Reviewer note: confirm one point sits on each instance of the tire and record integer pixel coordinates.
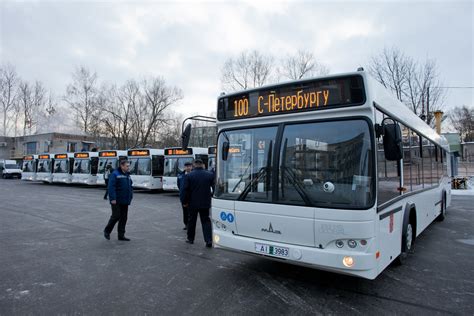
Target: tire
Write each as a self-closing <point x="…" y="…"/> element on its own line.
<point x="442" y="216"/>
<point x="407" y="243"/>
<point x="4" y="176"/>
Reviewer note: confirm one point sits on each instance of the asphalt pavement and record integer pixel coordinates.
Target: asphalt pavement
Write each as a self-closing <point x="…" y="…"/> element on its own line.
<point x="54" y="260"/>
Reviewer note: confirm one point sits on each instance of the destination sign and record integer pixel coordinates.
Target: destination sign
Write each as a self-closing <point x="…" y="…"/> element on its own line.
<point x="43" y="156"/>
<point x="234" y="150"/>
<point x="60" y="156"/>
<point x="28" y="158"/>
<point x="108" y="154"/>
<point x="81" y="155"/>
<point x="178" y="151"/>
<point x="142" y="152"/>
<point x="308" y="95"/>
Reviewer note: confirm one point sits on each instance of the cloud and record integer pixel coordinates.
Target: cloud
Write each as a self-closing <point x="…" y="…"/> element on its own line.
<point x="187" y="42"/>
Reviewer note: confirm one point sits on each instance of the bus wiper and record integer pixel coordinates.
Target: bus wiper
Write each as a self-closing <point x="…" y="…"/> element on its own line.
<point x="248" y="187"/>
<point x="260" y="173"/>
<point x="242" y="177"/>
<point x="299" y="188"/>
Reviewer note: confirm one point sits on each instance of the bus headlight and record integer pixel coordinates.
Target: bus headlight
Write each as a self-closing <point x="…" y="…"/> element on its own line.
<point x="339" y="243"/>
<point x="348" y="261"/>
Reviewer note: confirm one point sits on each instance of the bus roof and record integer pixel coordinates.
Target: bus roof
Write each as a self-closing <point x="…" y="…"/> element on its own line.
<point x="374" y="93"/>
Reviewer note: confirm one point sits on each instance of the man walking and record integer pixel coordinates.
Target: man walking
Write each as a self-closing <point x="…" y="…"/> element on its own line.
<point x="108" y="171"/>
<point x="197" y="195"/>
<point x="188" y="167"/>
<point x="120" y="196"/>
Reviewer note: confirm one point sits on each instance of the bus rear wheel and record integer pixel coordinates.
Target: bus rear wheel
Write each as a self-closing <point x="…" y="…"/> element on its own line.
<point x="407" y="244"/>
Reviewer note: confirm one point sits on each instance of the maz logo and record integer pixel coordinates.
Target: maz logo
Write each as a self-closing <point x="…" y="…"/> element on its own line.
<point x="270" y="230"/>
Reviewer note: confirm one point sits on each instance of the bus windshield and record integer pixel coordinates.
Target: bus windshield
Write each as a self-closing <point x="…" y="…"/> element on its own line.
<point x="44" y="166"/>
<point x="28" y="166"/>
<point x="175" y="165"/>
<point x="11" y="166"/>
<point x="61" y="166"/>
<point x="82" y="166"/>
<point x="140" y="166"/>
<point x="322" y="164"/>
<point x="103" y="162"/>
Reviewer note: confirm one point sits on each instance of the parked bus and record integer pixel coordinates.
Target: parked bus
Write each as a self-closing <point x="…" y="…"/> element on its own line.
<point x="30" y="163"/>
<point x="85" y="168"/>
<point x="146" y="168"/>
<point x="335" y="173"/>
<point x="211" y="152"/>
<point x="175" y="158"/>
<point x="109" y="158"/>
<point x="63" y="167"/>
<point x="44" y="171"/>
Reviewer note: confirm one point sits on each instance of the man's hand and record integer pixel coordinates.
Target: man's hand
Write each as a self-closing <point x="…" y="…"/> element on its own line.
<point x="185" y="205"/>
<point x="113" y="202"/>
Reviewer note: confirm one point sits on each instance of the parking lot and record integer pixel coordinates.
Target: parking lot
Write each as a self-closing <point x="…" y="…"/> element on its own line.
<point x="54" y="260"/>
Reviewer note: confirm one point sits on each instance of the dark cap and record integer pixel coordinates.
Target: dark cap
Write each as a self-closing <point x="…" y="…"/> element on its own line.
<point x="198" y="161"/>
<point x="187" y="163"/>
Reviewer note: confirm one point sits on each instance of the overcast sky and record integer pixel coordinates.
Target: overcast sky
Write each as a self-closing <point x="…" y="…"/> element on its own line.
<point x="188" y="42"/>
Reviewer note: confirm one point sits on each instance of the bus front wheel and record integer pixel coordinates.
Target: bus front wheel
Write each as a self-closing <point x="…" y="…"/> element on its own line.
<point x="407" y="243"/>
<point x="442" y="215"/>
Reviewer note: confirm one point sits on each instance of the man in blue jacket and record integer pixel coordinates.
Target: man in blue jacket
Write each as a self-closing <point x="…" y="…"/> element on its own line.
<point x="120" y="196"/>
<point x="188" y="167"/>
<point x="198" y="187"/>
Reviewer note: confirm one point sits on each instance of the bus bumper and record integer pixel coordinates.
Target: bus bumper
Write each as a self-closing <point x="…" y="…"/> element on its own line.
<point x="365" y="264"/>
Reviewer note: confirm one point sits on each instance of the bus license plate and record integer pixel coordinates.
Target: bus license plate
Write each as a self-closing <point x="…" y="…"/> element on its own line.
<point x="272" y="250"/>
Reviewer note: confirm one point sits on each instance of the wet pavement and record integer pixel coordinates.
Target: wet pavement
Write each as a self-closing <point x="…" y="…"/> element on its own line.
<point x="54" y="260"/>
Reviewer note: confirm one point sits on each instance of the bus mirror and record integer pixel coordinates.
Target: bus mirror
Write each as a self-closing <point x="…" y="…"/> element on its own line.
<point x="186" y="136"/>
<point x="392" y="141"/>
<point x="225" y="150"/>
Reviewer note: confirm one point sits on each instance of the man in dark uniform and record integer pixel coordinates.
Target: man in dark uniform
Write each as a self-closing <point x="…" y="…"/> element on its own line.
<point x="188" y="167"/>
<point x="197" y="195"/>
<point x="120" y="196"/>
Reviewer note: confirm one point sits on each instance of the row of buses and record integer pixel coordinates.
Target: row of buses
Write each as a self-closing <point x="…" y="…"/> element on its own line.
<point x="152" y="169"/>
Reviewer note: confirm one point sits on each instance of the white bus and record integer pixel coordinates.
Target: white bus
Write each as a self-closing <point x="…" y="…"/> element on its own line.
<point x="109" y="158"/>
<point x="44" y="171"/>
<point x="211" y="153"/>
<point x="85" y="168"/>
<point x="332" y="173"/>
<point x="30" y="163"/>
<point x="62" y="168"/>
<point x="175" y="158"/>
<point x="146" y="168"/>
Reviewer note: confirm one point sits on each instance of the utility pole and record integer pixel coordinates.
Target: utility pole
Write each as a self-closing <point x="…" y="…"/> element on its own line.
<point x="428" y="106"/>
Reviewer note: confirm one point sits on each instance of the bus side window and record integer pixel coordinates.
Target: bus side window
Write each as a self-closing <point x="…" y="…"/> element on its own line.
<point x="389" y="179"/>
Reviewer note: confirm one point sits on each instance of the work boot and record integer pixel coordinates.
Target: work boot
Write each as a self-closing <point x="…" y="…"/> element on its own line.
<point x="107" y="235"/>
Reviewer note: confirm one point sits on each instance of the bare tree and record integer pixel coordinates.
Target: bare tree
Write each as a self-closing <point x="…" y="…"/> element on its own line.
<point x="25" y="100"/>
<point x="301" y="65"/>
<point x="156" y="98"/>
<point x="81" y="95"/>
<point x="8" y="82"/>
<point x="249" y="70"/>
<point x="416" y="85"/>
<point x="118" y="106"/>
<point x="462" y="119"/>
<point x="170" y="134"/>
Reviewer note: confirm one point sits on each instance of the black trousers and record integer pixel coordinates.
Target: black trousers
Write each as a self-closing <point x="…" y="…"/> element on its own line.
<point x="106" y="188"/>
<point x="185" y="215"/>
<point x="120" y="215"/>
<point x="205" y="222"/>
